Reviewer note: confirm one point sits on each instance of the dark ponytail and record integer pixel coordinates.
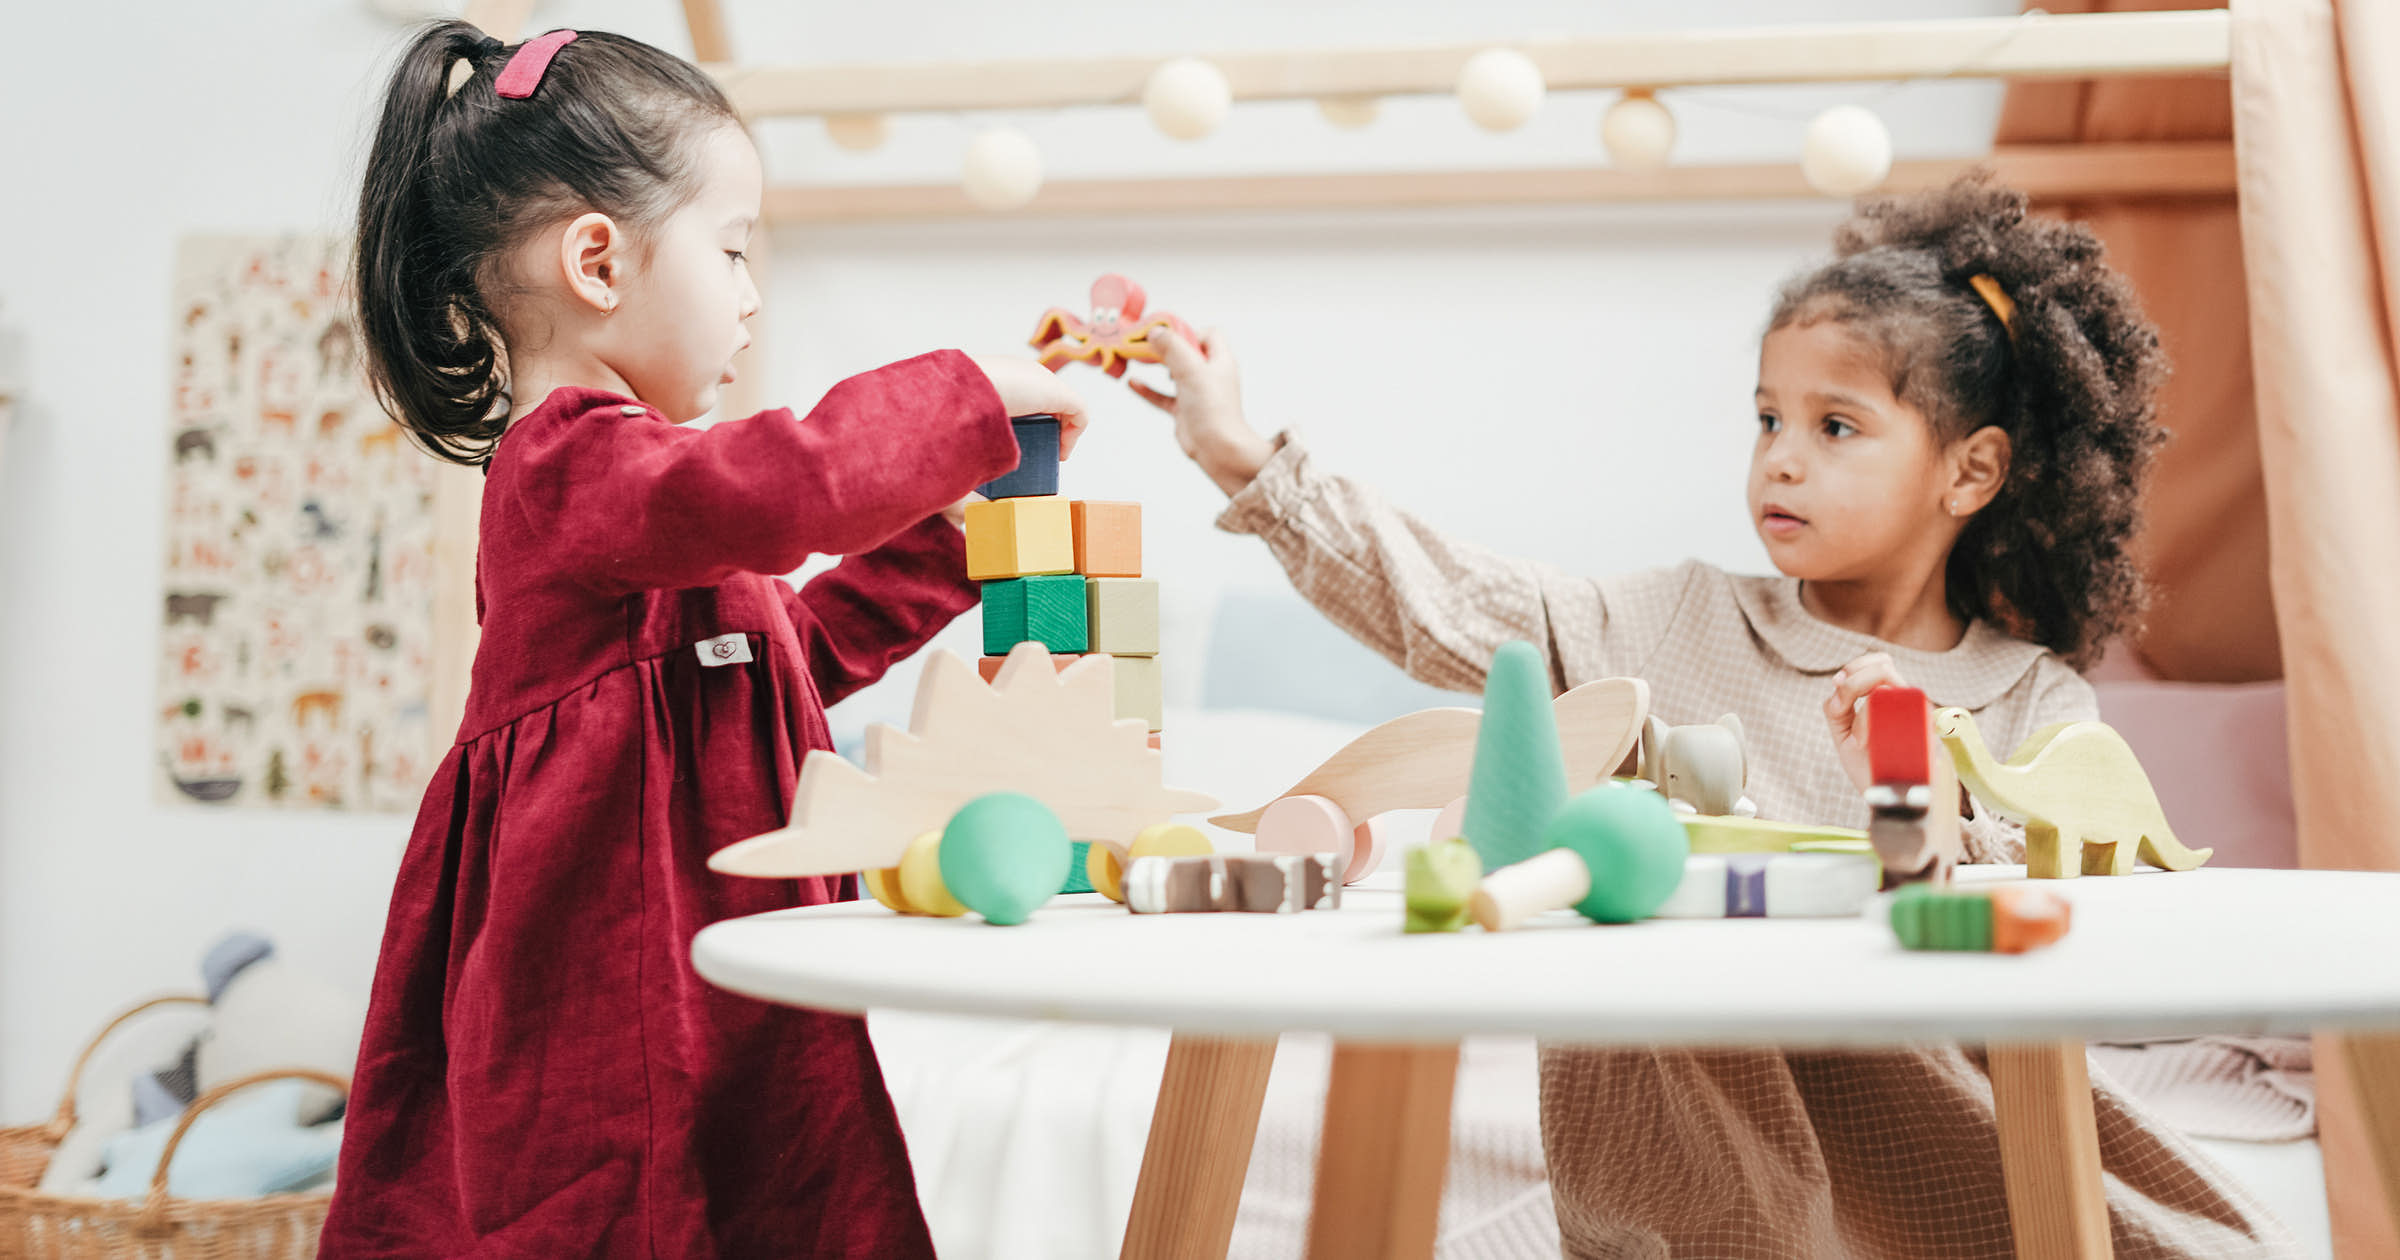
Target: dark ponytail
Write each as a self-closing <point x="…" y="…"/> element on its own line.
<point x="457" y="177"/>
<point x="2072" y="378"/>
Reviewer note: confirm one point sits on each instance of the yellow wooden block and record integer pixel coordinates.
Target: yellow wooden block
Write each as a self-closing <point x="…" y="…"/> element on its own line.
<point x="1013" y="538"/>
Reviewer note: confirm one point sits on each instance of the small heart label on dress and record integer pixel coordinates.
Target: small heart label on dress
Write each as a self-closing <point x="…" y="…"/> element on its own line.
<point x="725" y="649"/>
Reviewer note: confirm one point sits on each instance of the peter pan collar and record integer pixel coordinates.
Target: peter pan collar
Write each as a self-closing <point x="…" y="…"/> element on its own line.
<point x="1984" y="666"/>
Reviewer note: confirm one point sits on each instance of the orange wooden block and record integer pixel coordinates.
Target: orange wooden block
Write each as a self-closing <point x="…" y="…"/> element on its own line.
<point x="1108" y="539"/>
<point x="989" y="666"/>
<point x="1154" y="740"/>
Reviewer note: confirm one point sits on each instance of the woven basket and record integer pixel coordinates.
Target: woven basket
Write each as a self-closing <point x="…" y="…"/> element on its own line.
<point x="37" y="1226"/>
<point x="25" y="1150"/>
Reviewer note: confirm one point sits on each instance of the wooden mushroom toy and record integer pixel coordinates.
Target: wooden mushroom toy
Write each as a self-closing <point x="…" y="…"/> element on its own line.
<point x="1614" y="853"/>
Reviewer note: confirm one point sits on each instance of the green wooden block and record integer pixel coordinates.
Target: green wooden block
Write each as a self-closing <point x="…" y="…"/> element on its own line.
<point x="1926" y="918"/>
<point x="1078" y="880"/>
<point x="1045" y="610"/>
<point x="1519" y="780"/>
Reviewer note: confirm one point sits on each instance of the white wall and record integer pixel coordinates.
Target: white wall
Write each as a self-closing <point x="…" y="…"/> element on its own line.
<point x="1569" y="384"/>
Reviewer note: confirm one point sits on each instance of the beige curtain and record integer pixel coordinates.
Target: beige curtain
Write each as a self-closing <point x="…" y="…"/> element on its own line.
<point x="2317" y="142"/>
<point x="2204" y="545"/>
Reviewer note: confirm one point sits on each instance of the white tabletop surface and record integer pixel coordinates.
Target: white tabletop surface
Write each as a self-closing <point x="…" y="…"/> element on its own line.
<point x="2151" y="954"/>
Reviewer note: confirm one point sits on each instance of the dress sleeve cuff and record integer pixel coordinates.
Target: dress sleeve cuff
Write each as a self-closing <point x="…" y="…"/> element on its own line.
<point x="1283" y="485"/>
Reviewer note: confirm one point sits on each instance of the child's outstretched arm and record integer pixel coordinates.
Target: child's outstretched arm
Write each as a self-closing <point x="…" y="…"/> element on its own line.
<point x="629" y="502"/>
<point x="859" y="618"/>
<point x="1435" y="606"/>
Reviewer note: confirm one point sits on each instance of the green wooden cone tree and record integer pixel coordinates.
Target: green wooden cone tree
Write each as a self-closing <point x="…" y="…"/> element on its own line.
<point x="1520" y="777"/>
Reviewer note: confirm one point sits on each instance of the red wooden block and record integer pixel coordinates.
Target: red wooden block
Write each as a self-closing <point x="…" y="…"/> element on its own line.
<point x="1899" y="736"/>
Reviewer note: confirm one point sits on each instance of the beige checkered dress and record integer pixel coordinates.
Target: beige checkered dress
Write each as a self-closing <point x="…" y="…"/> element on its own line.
<point x="1743" y="1153"/>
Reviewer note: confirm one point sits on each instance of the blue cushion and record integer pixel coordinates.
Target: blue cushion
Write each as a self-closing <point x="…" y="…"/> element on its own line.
<point x="249" y="1145"/>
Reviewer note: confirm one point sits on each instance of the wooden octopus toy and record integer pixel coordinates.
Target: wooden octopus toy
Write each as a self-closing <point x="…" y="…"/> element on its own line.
<point x="1117" y="334"/>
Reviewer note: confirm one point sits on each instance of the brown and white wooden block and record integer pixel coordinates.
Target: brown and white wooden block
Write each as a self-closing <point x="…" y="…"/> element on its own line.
<point x="1121" y="615"/>
<point x="1012" y="538"/>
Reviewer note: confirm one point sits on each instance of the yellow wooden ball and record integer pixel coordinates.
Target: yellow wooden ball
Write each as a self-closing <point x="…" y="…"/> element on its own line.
<point x="921" y="883"/>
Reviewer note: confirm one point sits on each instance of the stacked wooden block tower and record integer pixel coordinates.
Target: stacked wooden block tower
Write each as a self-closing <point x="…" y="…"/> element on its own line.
<point x="1065" y="574"/>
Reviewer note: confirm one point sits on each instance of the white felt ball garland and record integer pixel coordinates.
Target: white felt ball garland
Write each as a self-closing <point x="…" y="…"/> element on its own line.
<point x="1500" y="88"/>
<point x="1187" y="98"/>
<point x="1003" y="169"/>
<point x="1847" y="151"/>
<point x="1638" y="132"/>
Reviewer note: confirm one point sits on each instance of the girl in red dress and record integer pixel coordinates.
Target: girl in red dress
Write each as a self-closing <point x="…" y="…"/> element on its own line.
<point x="550" y="282"/>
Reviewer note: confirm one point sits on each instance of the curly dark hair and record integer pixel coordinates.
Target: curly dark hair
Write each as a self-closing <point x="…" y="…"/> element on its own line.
<point x="2073" y="382"/>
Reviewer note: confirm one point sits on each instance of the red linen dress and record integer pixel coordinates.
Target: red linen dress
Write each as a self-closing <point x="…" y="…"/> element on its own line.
<point x="543" y="1075"/>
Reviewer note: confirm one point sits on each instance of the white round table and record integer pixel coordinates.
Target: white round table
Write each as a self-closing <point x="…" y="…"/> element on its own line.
<point x="2152" y="954"/>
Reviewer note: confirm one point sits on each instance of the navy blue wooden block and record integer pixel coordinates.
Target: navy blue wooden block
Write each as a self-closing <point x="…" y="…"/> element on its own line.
<point x="1037" y="461"/>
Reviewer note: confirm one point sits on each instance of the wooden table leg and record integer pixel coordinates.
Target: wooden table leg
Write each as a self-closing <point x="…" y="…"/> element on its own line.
<point x="1385" y="1150"/>
<point x="2374" y="1061"/>
<point x="1199" y="1149"/>
<point x="2050" y="1150"/>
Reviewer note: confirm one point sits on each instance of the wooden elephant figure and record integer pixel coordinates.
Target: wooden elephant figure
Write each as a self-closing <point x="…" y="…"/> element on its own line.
<point x="1699" y="769"/>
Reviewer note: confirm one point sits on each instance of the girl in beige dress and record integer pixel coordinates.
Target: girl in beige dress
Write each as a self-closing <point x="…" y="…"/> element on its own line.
<point x="1954" y="418"/>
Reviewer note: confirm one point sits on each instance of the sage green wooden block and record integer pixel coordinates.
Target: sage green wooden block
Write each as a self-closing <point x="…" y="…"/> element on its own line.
<point x="1123" y="615"/>
<point x="1045" y="610"/>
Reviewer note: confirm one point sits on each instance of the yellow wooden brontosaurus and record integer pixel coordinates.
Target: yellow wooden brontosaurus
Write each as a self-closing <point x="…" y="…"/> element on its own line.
<point x="2078" y="789"/>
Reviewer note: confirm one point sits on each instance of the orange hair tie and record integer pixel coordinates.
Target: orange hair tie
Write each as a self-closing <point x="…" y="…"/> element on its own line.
<point x="2002" y="305"/>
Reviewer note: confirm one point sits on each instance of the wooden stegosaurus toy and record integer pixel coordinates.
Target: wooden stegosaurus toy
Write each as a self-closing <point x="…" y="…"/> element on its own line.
<point x="2080" y="792"/>
<point x="1049" y="733"/>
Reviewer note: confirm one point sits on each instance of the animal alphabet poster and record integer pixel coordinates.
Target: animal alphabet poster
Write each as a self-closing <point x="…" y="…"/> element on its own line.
<point x="298" y="603"/>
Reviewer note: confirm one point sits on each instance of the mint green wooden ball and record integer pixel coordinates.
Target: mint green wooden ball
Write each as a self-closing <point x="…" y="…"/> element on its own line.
<point x="1633" y="844"/>
<point x="1003" y="855"/>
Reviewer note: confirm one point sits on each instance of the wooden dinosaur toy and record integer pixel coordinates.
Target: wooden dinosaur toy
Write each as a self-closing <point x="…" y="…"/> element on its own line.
<point x="2078" y="789"/>
<point x="1423" y="760"/>
<point x="1048" y="733"/>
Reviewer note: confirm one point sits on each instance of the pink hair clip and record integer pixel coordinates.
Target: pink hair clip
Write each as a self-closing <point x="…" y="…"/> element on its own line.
<point x="524" y="71"/>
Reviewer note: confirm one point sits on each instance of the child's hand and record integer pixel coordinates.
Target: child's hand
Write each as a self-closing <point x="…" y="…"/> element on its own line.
<point x="956" y="513"/>
<point x="1842" y="710"/>
<point x="1027" y="388"/>
<point x="1207" y="406"/>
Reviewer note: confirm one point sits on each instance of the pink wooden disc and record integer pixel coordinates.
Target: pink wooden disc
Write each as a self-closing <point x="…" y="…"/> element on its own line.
<point x="1307" y="824"/>
<point x="1370" y="840"/>
<point x="1450" y="823"/>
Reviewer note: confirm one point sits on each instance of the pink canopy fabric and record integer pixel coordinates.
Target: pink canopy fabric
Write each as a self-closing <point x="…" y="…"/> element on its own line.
<point x="2317" y="143"/>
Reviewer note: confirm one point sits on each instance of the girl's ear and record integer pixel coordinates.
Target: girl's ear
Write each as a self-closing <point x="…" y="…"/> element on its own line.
<point x="1978" y="468"/>
<point x="591" y="253"/>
